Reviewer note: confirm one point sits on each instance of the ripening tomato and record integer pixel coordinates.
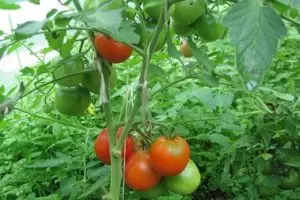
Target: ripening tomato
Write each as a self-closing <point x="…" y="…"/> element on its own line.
<point x="169" y="157"/>
<point x="112" y="50"/>
<point x="138" y="173"/>
<point x="102" y="149"/>
<point x="186" y="49"/>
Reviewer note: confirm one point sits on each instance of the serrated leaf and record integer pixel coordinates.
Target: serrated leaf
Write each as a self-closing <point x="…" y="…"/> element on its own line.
<point x="126" y="34"/>
<point x="102" y="20"/>
<point x="9" y="5"/>
<point x="28" y="29"/>
<point x="254" y="29"/>
<point x="294" y="162"/>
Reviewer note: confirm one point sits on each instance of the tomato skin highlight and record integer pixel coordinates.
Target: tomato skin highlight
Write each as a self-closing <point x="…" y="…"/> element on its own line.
<point x="112" y="50"/>
<point x="138" y="173"/>
<point x="102" y="148"/>
<point x="169" y="157"/>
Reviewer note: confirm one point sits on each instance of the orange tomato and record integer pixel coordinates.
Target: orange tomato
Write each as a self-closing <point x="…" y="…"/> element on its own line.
<point x="112" y="50"/>
<point x="169" y="157"/>
<point x="138" y="173"/>
<point x="102" y="148"/>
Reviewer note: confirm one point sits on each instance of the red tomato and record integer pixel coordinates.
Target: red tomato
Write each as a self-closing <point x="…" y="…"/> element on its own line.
<point x="138" y="173"/>
<point x="112" y="50"/>
<point x="186" y="49"/>
<point x="102" y="146"/>
<point x="169" y="157"/>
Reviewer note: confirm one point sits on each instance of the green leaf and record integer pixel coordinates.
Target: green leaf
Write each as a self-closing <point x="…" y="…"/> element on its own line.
<point x="219" y="139"/>
<point x="101" y="182"/>
<point x="284" y="96"/>
<point x="50" y="197"/>
<point x="98" y="19"/>
<point x="172" y="51"/>
<point x="260" y="104"/>
<point x="50" y="162"/>
<point x="66" y="48"/>
<point x="200" y="54"/>
<point x="2" y="50"/>
<point x="28" y="29"/>
<point x="126" y="34"/>
<point x="27" y="71"/>
<point x="254" y="29"/>
<point x="14" y="47"/>
<point x="294" y="162"/>
<point x="9" y="5"/>
<point x="37" y="2"/>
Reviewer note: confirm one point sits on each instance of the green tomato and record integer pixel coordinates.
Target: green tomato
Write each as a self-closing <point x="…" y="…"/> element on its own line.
<point x="72" y="100"/>
<point x="68" y="68"/>
<point x="291" y="181"/>
<point x="154" y="192"/>
<point x="92" y="79"/>
<point x="209" y="29"/>
<point x="293" y="12"/>
<point x="268" y="186"/>
<point x="47" y="108"/>
<point x="181" y="29"/>
<point x="153" y="8"/>
<point x="268" y="191"/>
<point x="188" y="11"/>
<point x="186" y="182"/>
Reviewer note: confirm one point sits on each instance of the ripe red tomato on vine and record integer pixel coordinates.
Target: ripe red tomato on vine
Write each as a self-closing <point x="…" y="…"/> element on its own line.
<point x="112" y="50"/>
<point x="102" y="148"/>
<point x="169" y="157"/>
<point x="138" y="173"/>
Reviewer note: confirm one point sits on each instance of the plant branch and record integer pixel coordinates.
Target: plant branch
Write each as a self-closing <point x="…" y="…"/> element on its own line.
<point x="48" y="119"/>
<point x="293" y="21"/>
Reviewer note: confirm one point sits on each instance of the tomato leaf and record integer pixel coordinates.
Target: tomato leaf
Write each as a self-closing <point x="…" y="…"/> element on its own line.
<point x="28" y="29"/>
<point x="219" y="139"/>
<point x="98" y="19"/>
<point x="254" y="29"/>
<point x="9" y="5"/>
<point x="2" y="50"/>
<point x="294" y="162"/>
<point x="54" y="162"/>
<point x="101" y="182"/>
<point x="172" y="51"/>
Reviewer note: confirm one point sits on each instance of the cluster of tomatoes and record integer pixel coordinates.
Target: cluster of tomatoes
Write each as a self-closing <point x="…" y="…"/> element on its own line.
<point x="165" y="166"/>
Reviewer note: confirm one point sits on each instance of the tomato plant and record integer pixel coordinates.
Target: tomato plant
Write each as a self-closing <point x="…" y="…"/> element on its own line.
<point x="232" y="91"/>
<point x="138" y="173"/>
<point x="112" y="50"/>
<point x="102" y="147"/>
